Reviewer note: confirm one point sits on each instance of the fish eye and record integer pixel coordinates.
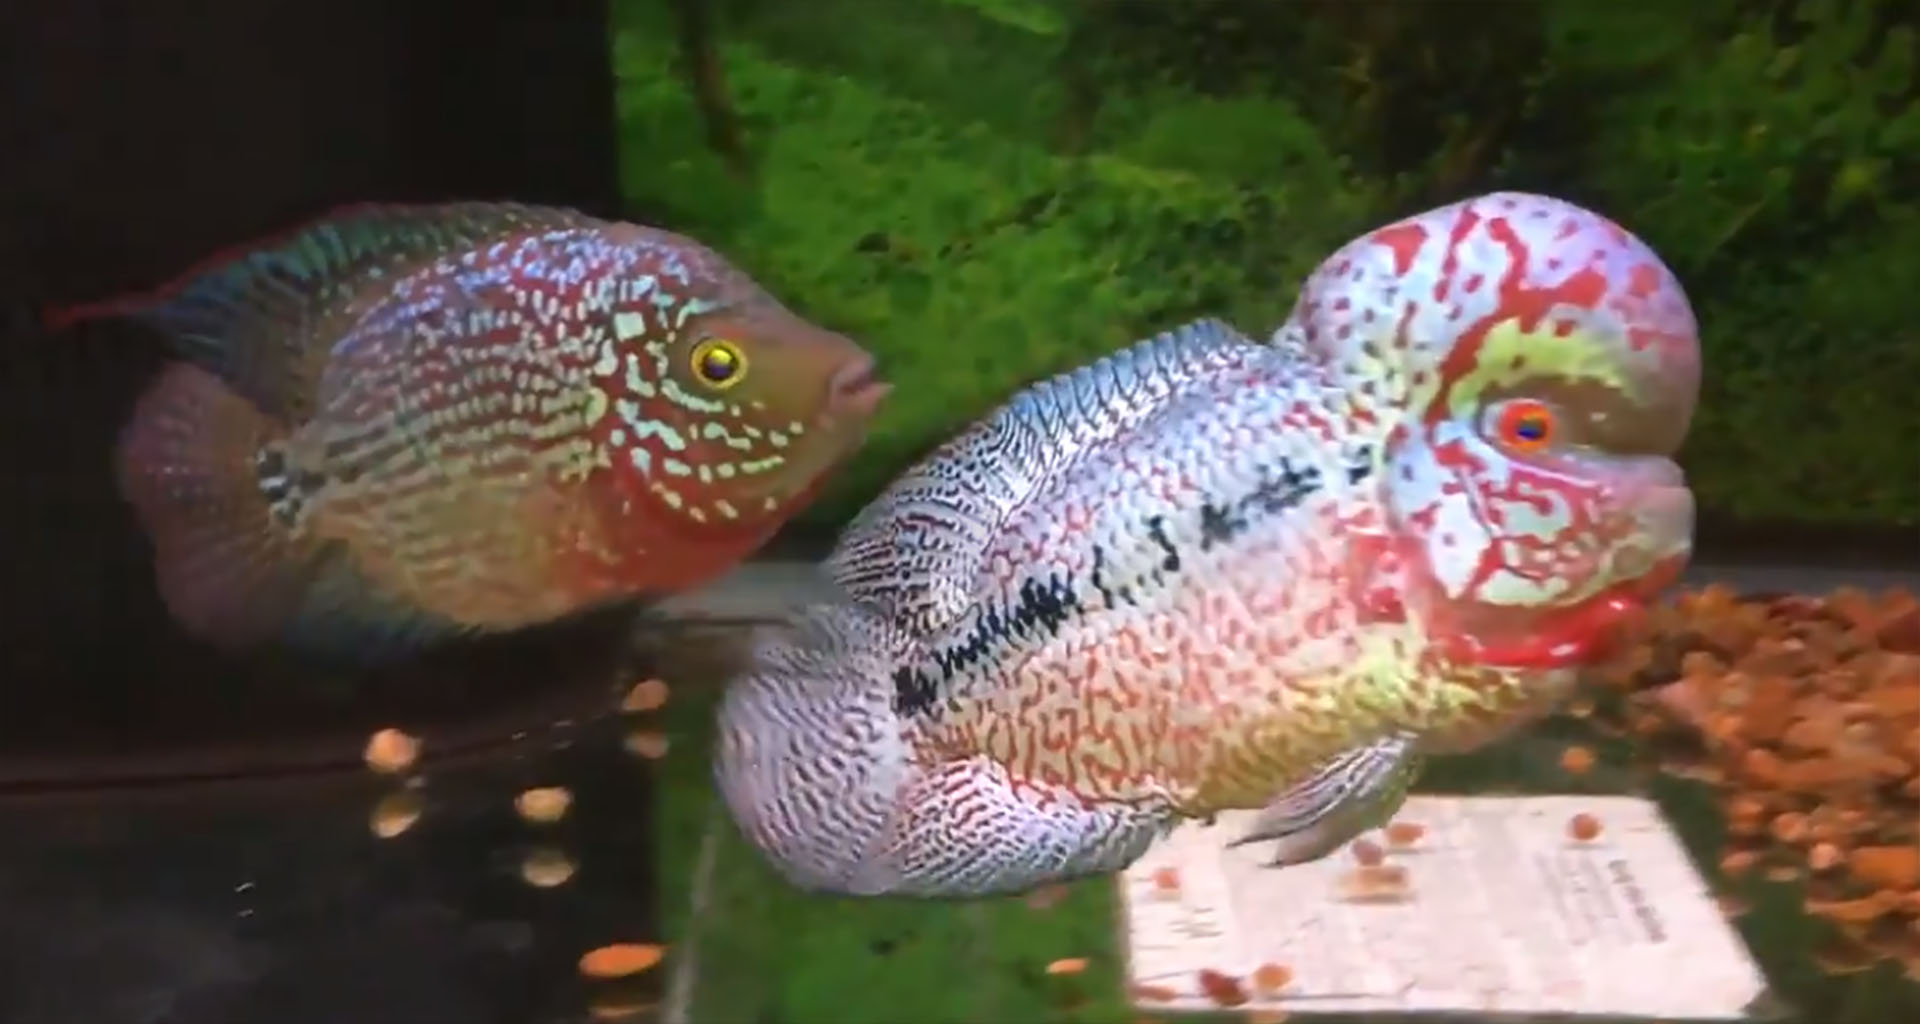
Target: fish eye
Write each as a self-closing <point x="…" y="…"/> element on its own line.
<point x="1526" y="426"/>
<point x="719" y="363"/>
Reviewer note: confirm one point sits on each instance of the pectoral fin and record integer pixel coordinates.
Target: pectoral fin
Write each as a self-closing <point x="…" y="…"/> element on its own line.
<point x="1347" y="795"/>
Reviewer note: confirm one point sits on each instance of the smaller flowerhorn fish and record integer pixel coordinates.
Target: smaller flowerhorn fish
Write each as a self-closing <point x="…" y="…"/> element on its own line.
<point x="401" y="423"/>
<point x="1207" y="573"/>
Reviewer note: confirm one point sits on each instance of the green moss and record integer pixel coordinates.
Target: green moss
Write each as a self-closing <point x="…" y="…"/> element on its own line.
<point x="989" y="191"/>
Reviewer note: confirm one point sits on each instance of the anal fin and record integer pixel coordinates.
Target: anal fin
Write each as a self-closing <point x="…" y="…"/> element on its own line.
<point x="1348" y="794"/>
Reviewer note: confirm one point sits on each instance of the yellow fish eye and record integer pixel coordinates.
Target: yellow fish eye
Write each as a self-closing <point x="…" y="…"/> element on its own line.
<point x="719" y="363"/>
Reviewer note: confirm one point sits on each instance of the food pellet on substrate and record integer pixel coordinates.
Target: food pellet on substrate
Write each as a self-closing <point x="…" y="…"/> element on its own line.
<point x="1155" y="993"/>
<point x="543" y="805"/>
<point x="1402" y="834"/>
<point x="1583" y="827"/>
<point x="396" y="813"/>
<point x="1047" y="896"/>
<point x="1825" y="857"/>
<point x="650" y="745"/>
<point x="1384" y="883"/>
<point x="1738" y="863"/>
<point x="646" y="695"/>
<point x="1389" y="875"/>
<point x="391" y="751"/>
<point x="1576" y="760"/>
<point x="1889" y="867"/>
<point x="621" y="959"/>
<point x="1166" y="882"/>
<point x="1271" y="978"/>
<point x="1223" y="989"/>
<point x="1368" y="853"/>
<point x="546" y="867"/>
<point x="1068" y="965"/>
<point x="1790" y="827"/>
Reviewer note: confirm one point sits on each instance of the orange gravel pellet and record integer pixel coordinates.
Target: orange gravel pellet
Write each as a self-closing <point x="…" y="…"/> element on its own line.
<point x="1382" y="883"/>
<point x="391" y="751"/>
<point x="1222" y="989"/>
<point x="1368" y="853"/>
<point x="1271" y="978"/>
<point x="1068" y="965"/>
<point x="546" y="868"/>
<point x="396" y="813"/>
<point x="646" y="695"/>
<point x="1583" y="827"/>
<point x="1576" y="760"/>
<point x="1738" y="862"/>
<point x="1047" y="896"/>
<point x="1825" y="857"/>
<point x="1402" y="834"/>
<point x="543" y="805"/>
<point x="1166" y="881"/>
<point x="621" y="959"/>
<point x="1889" y="867"/>
<point x="647" y="744"/>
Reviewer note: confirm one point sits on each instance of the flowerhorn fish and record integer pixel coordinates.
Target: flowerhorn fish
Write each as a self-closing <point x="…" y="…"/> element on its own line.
<point x="401" y="423"/>
<point x="1206" y="573"/>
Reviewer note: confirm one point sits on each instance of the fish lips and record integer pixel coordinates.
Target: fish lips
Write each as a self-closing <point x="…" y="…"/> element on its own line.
<point x="854" y="394"/>
<point x="1596" y="628"/>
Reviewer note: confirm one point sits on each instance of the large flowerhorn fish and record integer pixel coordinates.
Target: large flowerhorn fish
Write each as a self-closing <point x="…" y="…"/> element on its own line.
<point x="1207" y="573"/>
<point x="401" y="423"/>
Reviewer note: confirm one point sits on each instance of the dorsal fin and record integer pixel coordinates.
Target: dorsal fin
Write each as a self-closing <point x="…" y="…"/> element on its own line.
<point x="914" y="553"/>
<point x="259" y="315"/>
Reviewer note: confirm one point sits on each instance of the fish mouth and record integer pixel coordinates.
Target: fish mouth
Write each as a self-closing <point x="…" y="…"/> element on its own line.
<point x="1583" y="633"/>
<point x="854" y="394"/>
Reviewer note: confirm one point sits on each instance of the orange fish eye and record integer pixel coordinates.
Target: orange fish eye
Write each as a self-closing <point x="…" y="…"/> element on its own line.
<point x="719" y="363"/>
<point x="1526" y="425"/>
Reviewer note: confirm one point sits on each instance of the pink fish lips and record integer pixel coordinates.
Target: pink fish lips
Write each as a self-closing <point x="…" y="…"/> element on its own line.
<point x="1583" y="633"/>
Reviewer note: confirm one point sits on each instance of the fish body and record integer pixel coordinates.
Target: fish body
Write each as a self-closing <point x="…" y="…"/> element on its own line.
<point x="400" y="423"/>
<point x="1209" y="573"/>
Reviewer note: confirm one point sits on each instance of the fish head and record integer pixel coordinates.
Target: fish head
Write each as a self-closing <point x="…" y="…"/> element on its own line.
<point x="1531" y="369"/>
<point x="751" y="408"/>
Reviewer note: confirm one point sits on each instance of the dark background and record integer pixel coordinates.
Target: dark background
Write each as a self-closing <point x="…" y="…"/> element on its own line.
<point x="182" y="837"/>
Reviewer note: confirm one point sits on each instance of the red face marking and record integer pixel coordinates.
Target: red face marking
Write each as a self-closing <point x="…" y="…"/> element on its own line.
<point x="1404" y="242"/>
<point x="1527" y="304"/>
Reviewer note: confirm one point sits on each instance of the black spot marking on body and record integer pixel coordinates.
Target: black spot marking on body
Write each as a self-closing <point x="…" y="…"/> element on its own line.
<point x="1280" y="488"/>
<point x="1048" y="604"/>
<point x="286" y="486"/>
<point x="1040" y="605"/>
<point x="1157" y="530"/>
<point x="1360" y="464"/>
<point x="1109" y="597"/>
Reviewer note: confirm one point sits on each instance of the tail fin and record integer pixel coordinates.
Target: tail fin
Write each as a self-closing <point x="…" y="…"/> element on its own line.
<point x="227" y="569"/>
